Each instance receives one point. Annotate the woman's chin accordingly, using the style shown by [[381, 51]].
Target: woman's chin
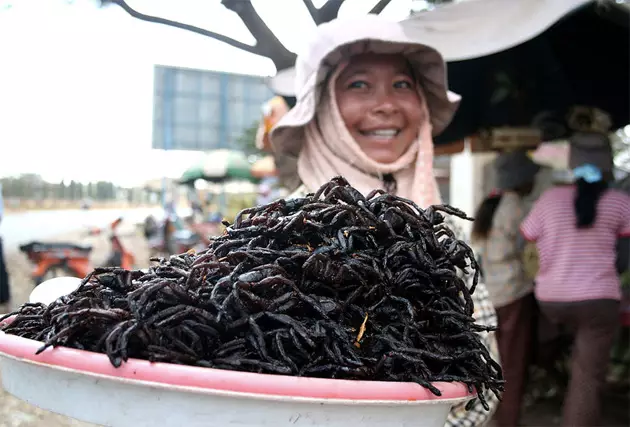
[[382, 156], [381, 150], [385, 161]]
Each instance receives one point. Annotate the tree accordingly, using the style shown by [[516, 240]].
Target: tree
[[61, 191], [247, 141], [267, 44], [91, 193], [73, 190]]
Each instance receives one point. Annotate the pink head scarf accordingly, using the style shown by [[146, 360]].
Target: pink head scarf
[[329, 150]]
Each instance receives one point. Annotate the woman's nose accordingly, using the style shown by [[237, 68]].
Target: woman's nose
[[385, 102]]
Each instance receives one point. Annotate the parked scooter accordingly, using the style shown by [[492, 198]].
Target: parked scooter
[[70, 259], [167, 237], [174, 236]]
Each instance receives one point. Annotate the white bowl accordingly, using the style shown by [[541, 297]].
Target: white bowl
[[52, 289], [85, 386]]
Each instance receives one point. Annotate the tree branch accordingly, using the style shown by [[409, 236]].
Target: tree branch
[[329, 11], [267, 43], [312, 10], [326, 13], [378, 8], [157, 20]]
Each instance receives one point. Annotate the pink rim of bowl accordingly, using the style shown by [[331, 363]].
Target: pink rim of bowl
[[227, 381]]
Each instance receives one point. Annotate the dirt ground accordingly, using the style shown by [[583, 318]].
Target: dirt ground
[[16, 413]]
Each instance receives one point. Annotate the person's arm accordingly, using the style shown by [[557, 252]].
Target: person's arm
[[624, 217], [504, 243], [623, 244], [532, 226]]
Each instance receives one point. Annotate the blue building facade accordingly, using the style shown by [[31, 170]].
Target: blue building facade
[[202, 110]]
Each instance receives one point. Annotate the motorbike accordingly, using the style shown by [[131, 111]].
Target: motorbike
[[57, 259], [172, 235], [169, 236]]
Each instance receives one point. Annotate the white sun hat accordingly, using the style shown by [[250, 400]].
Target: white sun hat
[[345, 37]]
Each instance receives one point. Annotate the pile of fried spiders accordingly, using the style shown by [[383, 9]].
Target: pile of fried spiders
[[333, 285]]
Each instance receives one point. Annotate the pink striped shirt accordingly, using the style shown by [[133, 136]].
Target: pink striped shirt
[[577, 264]]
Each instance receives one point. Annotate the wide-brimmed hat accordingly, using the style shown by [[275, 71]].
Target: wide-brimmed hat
[[514, 169], [341, 39]]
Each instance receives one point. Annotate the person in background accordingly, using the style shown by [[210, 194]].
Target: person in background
[[267, 191], [272, 111], [196, 209], [5, 294], [576, 228], [370, 100], [264, 194], [497, 239]]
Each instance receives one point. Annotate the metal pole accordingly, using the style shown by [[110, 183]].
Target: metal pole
[[167, 120], [224, 124], [199, 99], [225, 128]]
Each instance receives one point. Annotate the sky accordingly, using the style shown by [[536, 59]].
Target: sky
[[76, 82]]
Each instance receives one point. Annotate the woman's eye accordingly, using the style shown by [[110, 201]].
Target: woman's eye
[[403, 84], [359, 84]]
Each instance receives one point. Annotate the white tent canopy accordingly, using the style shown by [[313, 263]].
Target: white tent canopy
[[470, 29], [473, 29]]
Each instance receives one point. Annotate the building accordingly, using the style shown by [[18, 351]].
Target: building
[[201, 110]]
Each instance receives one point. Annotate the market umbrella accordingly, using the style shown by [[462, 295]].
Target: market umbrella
[[539, 69], [265, 167], [219, 166]]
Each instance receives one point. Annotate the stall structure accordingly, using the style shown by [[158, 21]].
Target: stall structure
[[520, 79], [219, 174]]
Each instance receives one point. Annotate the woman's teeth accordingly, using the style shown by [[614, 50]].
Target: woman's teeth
[[382, 133]]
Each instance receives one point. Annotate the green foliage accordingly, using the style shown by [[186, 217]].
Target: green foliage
[[237, 203], [247, 141], [33, 187]]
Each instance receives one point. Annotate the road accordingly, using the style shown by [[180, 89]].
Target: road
[[19, 228]]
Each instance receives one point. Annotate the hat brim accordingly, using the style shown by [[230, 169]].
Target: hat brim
[[283, 83], [288, 134]]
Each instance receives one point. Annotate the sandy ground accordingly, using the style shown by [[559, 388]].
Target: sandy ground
[[14, 412]]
